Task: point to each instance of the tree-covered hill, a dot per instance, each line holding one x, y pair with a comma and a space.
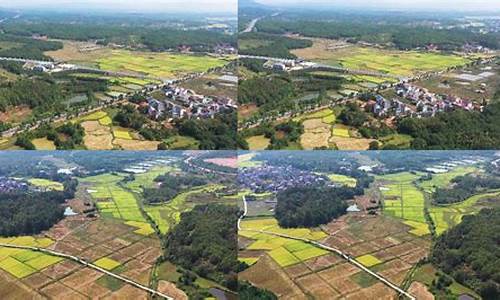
470, 253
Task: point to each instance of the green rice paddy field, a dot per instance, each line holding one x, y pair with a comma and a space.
405, 200
398, 63
285, 252
161, 65
402, 199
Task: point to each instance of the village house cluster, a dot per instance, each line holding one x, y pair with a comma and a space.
48, 67
272, 179
185, 103
8, 185
419, 103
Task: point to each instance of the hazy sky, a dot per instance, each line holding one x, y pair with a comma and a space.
129, 5
483, 5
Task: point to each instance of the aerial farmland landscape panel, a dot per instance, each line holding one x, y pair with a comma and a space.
250, 149
112, 76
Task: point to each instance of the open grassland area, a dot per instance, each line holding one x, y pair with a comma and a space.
22, 263
46, 184
381, 243
447, 216
393, 62
404, 200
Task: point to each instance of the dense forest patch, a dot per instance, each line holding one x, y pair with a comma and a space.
469, 252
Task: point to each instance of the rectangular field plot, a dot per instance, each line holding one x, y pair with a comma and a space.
16, 268
284, 251
368, 260
403, 200
107, 263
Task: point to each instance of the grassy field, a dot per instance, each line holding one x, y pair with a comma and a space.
46, 184
22, 263
320, 114
285, 252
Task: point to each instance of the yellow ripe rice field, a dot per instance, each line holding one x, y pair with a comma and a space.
343, 179
285, 252
107, 263
21, 263
368, 260
46, 184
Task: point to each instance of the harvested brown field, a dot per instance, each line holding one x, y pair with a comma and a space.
97, 136
420, 291
169, 288
71, 52
231, 162
376, 291
16, 114
267, 274
351, 143
136, 145
316, 134
322, 49
247, 110
317, 287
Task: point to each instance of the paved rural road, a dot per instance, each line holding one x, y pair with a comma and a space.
313, 65
83, 68
251, 25
345, 256
89, 265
